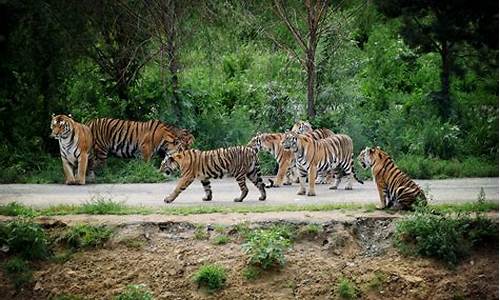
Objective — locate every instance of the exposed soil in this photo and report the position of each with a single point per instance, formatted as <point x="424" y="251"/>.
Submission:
<point x="164" y="256"/>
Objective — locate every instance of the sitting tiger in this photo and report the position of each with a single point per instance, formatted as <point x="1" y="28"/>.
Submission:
<point x="315" y="156"/>
<point x="75" y="145"/>
<point x="130" y="138"/>
<point x="239" y="161"/>
<point x="395" y="188"/>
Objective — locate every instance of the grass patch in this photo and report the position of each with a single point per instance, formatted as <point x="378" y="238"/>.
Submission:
<point x="377" y="281"/>
<point x="347" y="289"/>
<point x="212" y="277"/>
<point x="221" y="240"/>
<point x="18" y="271"/>
<point x="17" y="209"/>
<point x="101" y="206"/>
<point x="447" y="237"/>
<point x="135" y="292"/>
<point x="87" y="236"/>
<point x="251" y="272"/>
<point x="25" y="238"/>
<point x="310" y="230"/>
<point x="201" y="233"/>
<point x="266" y="247"/>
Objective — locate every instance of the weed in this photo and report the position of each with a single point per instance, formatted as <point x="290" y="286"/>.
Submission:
<point x="135" y="292"/>
<point x="18" y="271"/>
<point x="24" y="237"/>
<point x="87" y="236"/>
<point x="17" y="209"/>
<point x="243" y="229"/>
<point x="311" y="229"/>
<point x="101" y="206"/>
<point x="377" y="281"/>
<point x="266" y="248"/>
<point x="221" y="240"/>
<point x="219" y="228"/>
<point x="251" y="272"/>
<point x="347" y="289"/>
<point x="201" y="233"/>
<point x="212" y="277"/>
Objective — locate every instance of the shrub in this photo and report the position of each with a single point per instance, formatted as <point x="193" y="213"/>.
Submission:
<point x="266" y="248"/>
<point x="347" y="289"/>
<point x="87" y="236"/>
<point x="24" y="237"/>
<point x="17" y="209"/>
<point x="135" y="292"/>
<point x="447" y="238"/>
<point x="18" y="271"/>
<point x="212" y="277"/>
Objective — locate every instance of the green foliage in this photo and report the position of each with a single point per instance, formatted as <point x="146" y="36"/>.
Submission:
<point x="212" y="277"/>
<point x="17" y="209"/>
<point x="377" y="281"/>
<point x="251" y="272"/>
<point x="101" y="206"/>
<point x="87" y="236"/>
<point x="346" y="289"/>
<point x="25" y="238"/>
<point x="18" y="271"/>
<point x="135" y="292"/>
<point x="266" y="247"/>
<point x="221" y="240"/>
<point x="311" y="229"/>
<point x="200" y="232"/>
<point x="447" y="238"/>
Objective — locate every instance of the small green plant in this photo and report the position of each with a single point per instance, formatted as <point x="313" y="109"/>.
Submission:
<point x="24" y="237"/>
<point x="221" y="240"/>
<point x="17" y="209"/>
<point x="311" y="229"/>
<point x="481" y="197"/>
<point x="135" y="292"/>
<point x="87" y="236"/>
<point x="200" y="232"/>
<point x="212" y="277"/>
<point x="251" y="272"/>
<point x="219" y="228"/>
<point x="18" y="271"/>
<point x="347" y="289"/>
<point x="377" y="281"/>
<point x="266" y="247"/>
<point x="243" y="229"/>
<point x="101" y="206"/>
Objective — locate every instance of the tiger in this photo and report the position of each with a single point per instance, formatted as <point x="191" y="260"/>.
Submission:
<point x="133" y="138"/>
<point x="315" y="156"/>
<point x="240" y="162"/>
<point x="302" y="127"/>
<point x="75" y="146"/>
<point x="395" y="188"/>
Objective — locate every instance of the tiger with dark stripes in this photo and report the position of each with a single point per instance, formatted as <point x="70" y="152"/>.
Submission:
<point x="132" y="138"/>
<point x="395" y="188"/>
<point x="316" y="156"/>
<point x="75" y="146"/>
<point x="302" y="127"/>
<point x="240" y="162"/>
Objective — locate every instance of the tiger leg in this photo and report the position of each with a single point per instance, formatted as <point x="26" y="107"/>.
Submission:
<point x="82" y="168"/>
<point x="69" y="177"/>
<point x="350" y="180"/>
<point x="302" y="182"/>
<point x="146" y="149"/>
<point x="256" y="179"/>
<point x="90" y="169"/>
<point x="208" y="190"/>
<point x="183" y="183"/>
<point x="243" y="187"/>
<point x="338" y="179"/>
<point x="291" y="175"/>
<point x="381" y="193"/>
<point x="282" y="170"/>
<point x="312" y="180"/>
<point x="100" y="157"/>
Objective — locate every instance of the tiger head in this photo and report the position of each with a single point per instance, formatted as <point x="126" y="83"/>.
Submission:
<point x="369" y="156"/>
<point x="290" y="142"/>
<point x="169" y="164"/>
<point x="61" y="126"/>
<point x="256" y="142"/>
<point x="302" y="127"/>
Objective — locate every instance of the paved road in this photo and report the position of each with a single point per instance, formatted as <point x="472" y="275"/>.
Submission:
<point x="43" y="195"/>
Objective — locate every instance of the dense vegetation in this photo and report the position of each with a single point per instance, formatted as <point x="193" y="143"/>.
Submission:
<point x="227" y="69"/>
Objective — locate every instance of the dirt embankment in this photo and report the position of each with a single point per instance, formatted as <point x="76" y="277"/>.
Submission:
<point x="164" y="255"/>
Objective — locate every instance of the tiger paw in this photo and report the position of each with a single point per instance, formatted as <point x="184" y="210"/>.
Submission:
<point x="311" y="193"/>
<point x="237" y="200"/>
<point x="262" y="198"/>
<point x="333" y="187"/>
<point x="169" y="199"/>
<point x="287" y="183"/>
<point x="301" y="192"/>
<point x="206" y="198"/>
<point x="347" y="188"/>
<point x="379" y="207"/>
<point x="70" y="182"/>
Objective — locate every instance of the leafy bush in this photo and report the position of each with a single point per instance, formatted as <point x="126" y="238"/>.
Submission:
<point x="266" y="248"/>
<point x="135" y="292"/>
<point x="447" y="238"/>
<point x="17" y="209"/>
<point x="24" y="237"/>
<point x="347" y="289"/>
<point x="18" y="271"/>
<point x="212" y="277"/>
<point x="87" y="236"/>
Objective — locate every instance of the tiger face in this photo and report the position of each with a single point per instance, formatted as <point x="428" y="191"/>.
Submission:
<point x="60" y="126"/>
<point x="366" y="157"/>
<point x="290" y="141"/>
<point x="256" y="142"/>
<point x="169" y="165"/>
<point x="302" y="127"/>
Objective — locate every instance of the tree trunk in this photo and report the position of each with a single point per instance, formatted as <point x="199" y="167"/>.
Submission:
<point x="311" y="83"/>
<point x="172" y="59"/>
<point x="444" y="103"/>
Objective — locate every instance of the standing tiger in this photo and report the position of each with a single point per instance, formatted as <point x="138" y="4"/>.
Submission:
<point x="302" y="127"/>
<point x="316" y="156"/>
<point x="75" y="145"/>
<point x="395" y="188"/>
<point x="239" y="161"/>
<point x="131" y="138"/>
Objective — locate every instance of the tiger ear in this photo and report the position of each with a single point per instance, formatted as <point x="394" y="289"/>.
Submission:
<point x="53" y="115"/>
<point x="70" y="116"/>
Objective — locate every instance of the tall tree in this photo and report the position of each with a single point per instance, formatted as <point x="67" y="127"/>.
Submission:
<point x="440" y="26"/>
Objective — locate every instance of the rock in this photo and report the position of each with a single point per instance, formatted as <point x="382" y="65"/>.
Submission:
<point x="412" y="279"/>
